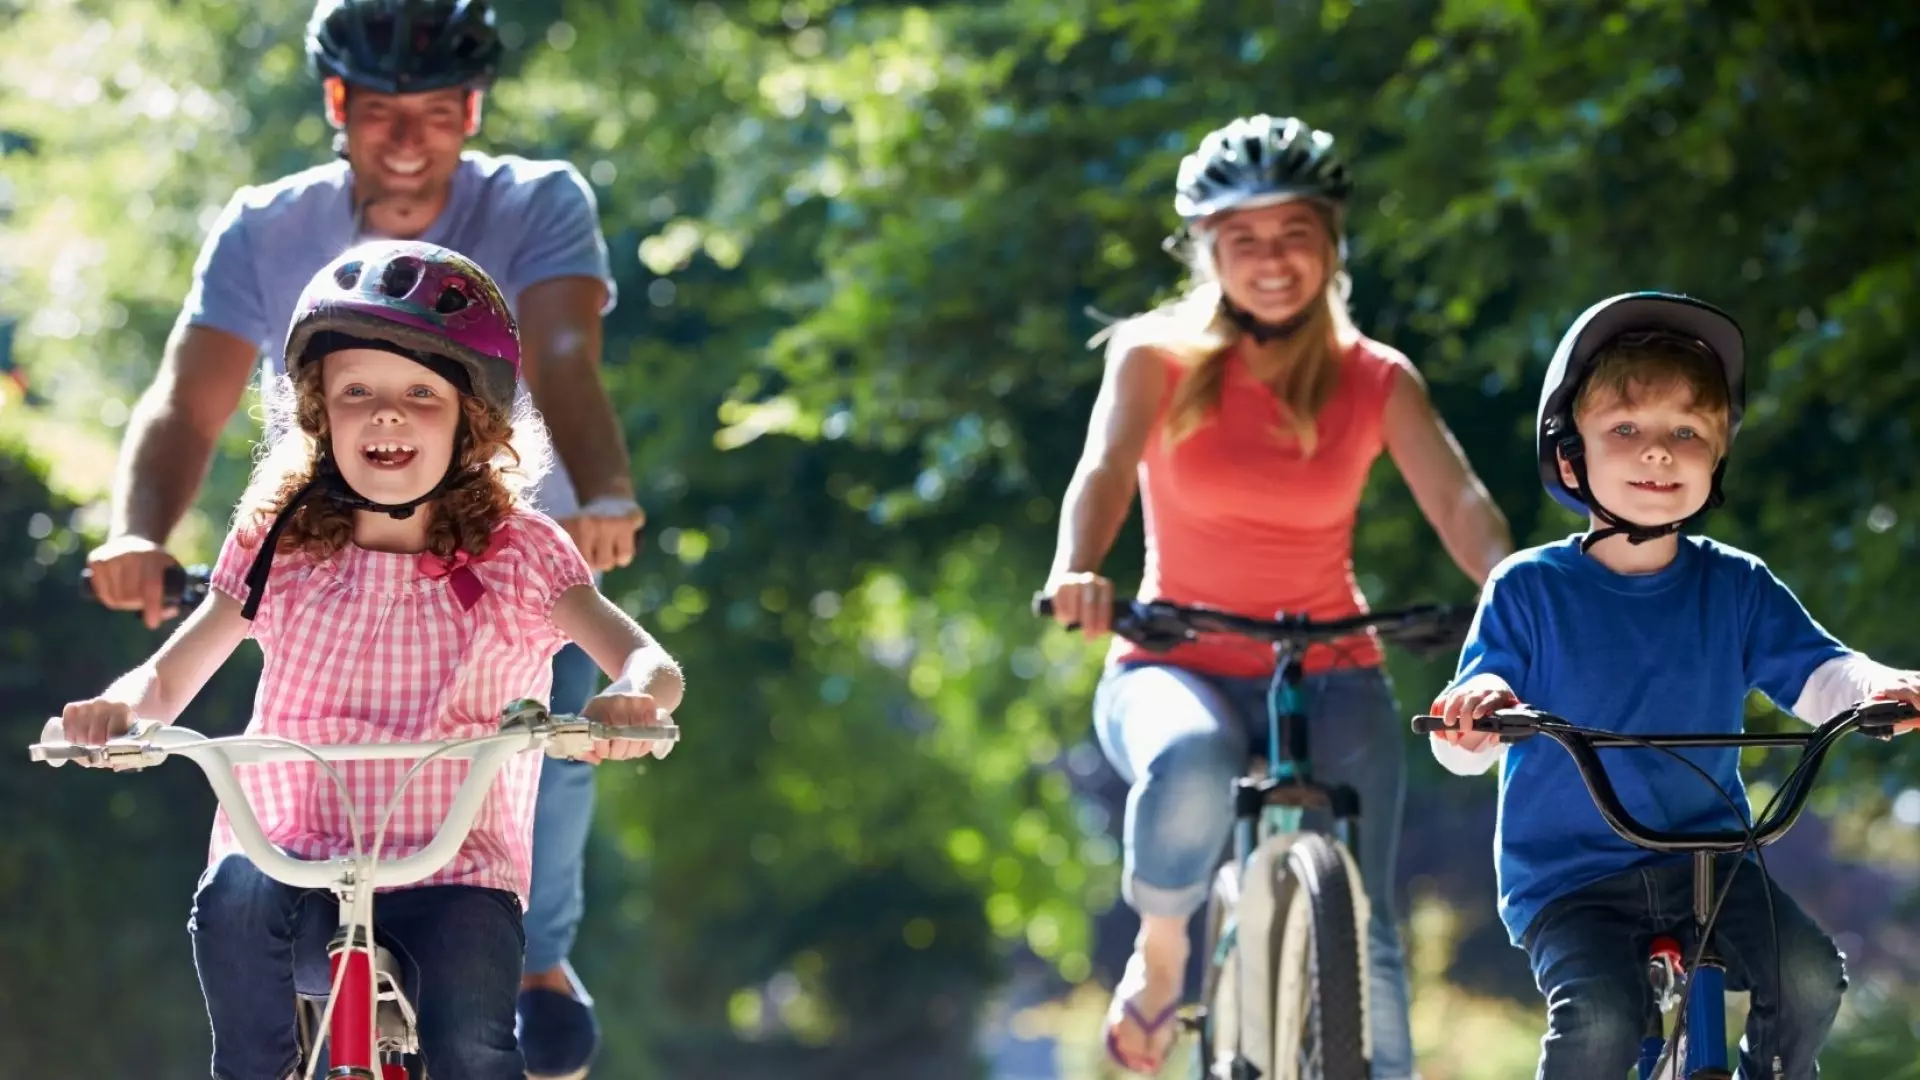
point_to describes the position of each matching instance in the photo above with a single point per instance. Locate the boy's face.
(1650, 453)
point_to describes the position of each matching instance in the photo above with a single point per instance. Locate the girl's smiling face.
(392, 423)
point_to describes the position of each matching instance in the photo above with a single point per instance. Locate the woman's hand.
(1083, 599)
(626, 710)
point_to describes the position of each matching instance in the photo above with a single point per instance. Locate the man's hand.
(604, 531)
(129, 575)
(1468, 702)
(625, 710)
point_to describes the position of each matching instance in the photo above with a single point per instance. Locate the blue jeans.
(561, 816)
(257, 943)
(1589, 955)
(1180, 738)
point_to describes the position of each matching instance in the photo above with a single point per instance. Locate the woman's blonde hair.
(1195, 331)
(502, 457)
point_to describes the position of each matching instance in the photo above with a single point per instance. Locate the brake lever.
(1146, 625)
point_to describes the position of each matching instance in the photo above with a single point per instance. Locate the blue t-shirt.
(523, 221)
(1668, 652)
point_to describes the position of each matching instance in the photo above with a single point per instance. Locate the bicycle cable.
(1724, 888)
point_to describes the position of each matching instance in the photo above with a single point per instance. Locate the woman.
(1248, 413)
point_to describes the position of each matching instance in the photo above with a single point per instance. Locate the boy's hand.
(1905, 689)
(94, 721)
(1468, 702)
(625, 710)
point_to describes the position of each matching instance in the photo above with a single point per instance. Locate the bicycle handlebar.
(1159, 625)
(526, 725)
(1873, 718)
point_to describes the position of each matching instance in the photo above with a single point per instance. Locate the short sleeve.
(1385, 368)
(549, 562)
(226, 280)
(1783, 644)
(237, 553)
(563, 237)
(1501, 640)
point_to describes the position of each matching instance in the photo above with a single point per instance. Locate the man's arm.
(170, 439)
(560, 336)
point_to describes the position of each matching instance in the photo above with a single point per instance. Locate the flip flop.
(1148, 1028)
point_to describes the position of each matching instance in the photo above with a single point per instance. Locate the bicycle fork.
(1703, 1053)
(353, 1035)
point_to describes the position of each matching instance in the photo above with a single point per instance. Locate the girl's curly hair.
(502, 458)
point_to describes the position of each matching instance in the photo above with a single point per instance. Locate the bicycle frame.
(1274, 807)
(1705, 986)
(354, 1040)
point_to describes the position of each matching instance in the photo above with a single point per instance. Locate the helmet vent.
(347, 276)
(453, 298)
(400, 276)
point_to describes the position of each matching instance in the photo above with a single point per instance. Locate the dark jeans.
(257, 942)
(1589, 956)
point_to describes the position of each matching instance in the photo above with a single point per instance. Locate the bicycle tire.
(1320, 1000)
(1219, 989)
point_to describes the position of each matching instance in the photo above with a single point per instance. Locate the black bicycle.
(1284, 995)
(1698, 1043)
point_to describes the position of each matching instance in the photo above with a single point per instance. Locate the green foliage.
(854, 246)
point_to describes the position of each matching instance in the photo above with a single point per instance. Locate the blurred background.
(857, 247)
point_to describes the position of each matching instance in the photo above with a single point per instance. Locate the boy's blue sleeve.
(1500, 641)
(1783, 644)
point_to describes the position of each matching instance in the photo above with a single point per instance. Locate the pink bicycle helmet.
(422, 299)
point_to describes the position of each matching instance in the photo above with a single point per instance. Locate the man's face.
(404, 146)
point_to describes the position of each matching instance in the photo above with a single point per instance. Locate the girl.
(1248, 414)
(400, 590)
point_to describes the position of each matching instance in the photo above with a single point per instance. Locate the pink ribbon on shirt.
(456, 568)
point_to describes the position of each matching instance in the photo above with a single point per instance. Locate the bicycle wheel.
(1320, 1000)
(1243, 942)
(1219, 1041)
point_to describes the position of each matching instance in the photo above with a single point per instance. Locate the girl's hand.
(1906, 689)
(94, 721)
(1468, 702)
(625, 710)
(1084, 599)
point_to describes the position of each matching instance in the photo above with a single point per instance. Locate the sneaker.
(558, 1034)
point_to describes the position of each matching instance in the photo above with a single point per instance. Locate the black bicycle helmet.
(404, 46)
(1693, 322)
(1257, 161)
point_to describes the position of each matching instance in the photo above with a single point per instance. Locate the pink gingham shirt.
(370, 646)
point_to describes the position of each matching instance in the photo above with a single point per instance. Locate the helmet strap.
(328, 482)
(1573, 449)
(1265, 332)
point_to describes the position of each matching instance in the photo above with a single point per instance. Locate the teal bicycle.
(1284, 990)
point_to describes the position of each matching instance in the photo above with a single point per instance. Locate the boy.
(1635, 628)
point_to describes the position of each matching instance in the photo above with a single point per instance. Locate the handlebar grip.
(173, 584)
(1042, 605)
(1428, 725)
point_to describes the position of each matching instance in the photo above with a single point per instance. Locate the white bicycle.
(370, 1025)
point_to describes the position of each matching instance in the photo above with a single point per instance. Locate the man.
(403, 84)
